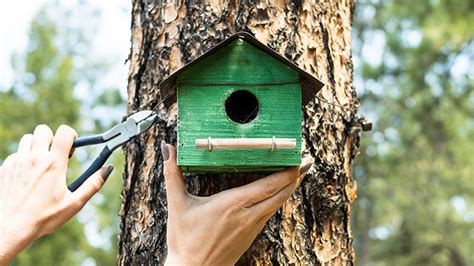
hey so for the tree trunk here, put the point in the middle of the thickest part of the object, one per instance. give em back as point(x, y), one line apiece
point(313, 227)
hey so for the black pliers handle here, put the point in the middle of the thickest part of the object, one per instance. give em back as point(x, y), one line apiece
point(115, 137)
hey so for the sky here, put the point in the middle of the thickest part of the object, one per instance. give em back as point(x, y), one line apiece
point(112, 40)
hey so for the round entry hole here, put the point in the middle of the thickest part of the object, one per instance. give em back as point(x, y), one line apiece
point(242, 106)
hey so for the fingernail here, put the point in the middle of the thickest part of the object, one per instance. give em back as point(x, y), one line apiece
point(106, 171)
point(306, 166)
point(164, 151)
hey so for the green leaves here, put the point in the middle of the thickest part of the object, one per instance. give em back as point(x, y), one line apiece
point(417, 184)
point(44, 92)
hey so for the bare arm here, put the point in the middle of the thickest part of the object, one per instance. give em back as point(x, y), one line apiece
point(217, 230)
point(34, 199)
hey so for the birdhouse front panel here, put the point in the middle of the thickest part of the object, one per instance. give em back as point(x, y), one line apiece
point(239, 109)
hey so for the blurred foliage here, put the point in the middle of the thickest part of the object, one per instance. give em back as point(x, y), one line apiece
point(44, 93)
point(415, 175)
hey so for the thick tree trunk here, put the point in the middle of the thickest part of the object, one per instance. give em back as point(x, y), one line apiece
point(313, 227)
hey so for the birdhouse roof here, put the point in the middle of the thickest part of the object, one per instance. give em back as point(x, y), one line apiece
point(310, 85)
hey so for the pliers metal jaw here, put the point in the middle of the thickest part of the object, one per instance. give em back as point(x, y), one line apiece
point(115, 137)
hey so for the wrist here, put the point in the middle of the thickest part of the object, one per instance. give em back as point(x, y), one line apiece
point(12, 243)
point(7, 252)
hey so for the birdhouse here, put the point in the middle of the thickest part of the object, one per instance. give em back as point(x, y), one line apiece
point(239, 108)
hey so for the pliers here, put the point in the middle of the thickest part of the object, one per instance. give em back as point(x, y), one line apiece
point(116, 136)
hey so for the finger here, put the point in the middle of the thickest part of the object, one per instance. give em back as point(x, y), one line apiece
point(267, 208)
point(42, 138)
point(175, 189)
point(267, 187)
point(62, 142)
point(75, 201)
point(10, 159)
point(90, 187)
point(25, 144)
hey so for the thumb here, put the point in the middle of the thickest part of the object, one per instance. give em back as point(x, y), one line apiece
point(175, 188)
point(92, 185)
point(77, 199)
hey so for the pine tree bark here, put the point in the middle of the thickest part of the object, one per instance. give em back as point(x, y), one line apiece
point(313, 227)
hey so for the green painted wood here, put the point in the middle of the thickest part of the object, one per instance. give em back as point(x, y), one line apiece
point(238, 62)
point(201, 111)
point(230, 169)
point(201, 114)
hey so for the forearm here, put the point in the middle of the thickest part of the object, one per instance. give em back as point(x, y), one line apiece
point(13, 239)
point(5, 259)
point(10, 247)
point(7, 251)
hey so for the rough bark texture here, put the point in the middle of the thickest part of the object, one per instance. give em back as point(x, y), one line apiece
point(313, 227)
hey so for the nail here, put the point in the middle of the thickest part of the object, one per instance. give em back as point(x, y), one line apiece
point(164, 151)
point(106, 170)
point(308, 163)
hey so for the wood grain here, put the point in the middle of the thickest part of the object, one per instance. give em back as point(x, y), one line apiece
point(201, 113)
point(201, 110)
point(239, 62)
point(245, 143)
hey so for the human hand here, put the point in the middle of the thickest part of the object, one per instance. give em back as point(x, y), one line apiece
point(217, 230)
point(34, 199)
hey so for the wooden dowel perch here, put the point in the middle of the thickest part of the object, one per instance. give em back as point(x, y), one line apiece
point(245, 143)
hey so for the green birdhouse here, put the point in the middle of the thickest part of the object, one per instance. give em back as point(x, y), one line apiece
point(240, 108)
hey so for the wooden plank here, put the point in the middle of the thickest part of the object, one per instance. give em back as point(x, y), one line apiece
point(201, 113)
point(212, 144)
point(231, 169)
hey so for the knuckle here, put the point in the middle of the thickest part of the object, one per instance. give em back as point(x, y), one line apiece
point(35, 157)
point(12, 157)
point(47, 161)
point(65, 129)
point(291, 174)
point(27, 136)
point(41, 160)
point(77, 204)
point(166, 172)
point(44, 128)
point(232, 202)
point(58, 197)
point(30, 160)
point(169, 172)
point(270, 188)
point(235, 204)
point(244, 226)
point(285, 195)
point(96, 186)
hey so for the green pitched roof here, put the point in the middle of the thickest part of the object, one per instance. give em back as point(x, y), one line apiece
point(310, 85)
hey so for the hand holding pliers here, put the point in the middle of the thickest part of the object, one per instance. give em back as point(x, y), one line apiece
point(114, 137)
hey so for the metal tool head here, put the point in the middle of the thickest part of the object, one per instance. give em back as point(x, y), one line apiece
point(143, 120)
point(133, 126)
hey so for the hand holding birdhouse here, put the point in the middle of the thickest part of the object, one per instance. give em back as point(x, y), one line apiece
point(216, 230)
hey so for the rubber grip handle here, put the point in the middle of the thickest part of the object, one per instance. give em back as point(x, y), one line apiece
point(85, 141)
point(96, 165)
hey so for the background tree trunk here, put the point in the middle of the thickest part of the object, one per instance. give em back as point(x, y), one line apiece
point(313, 227)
